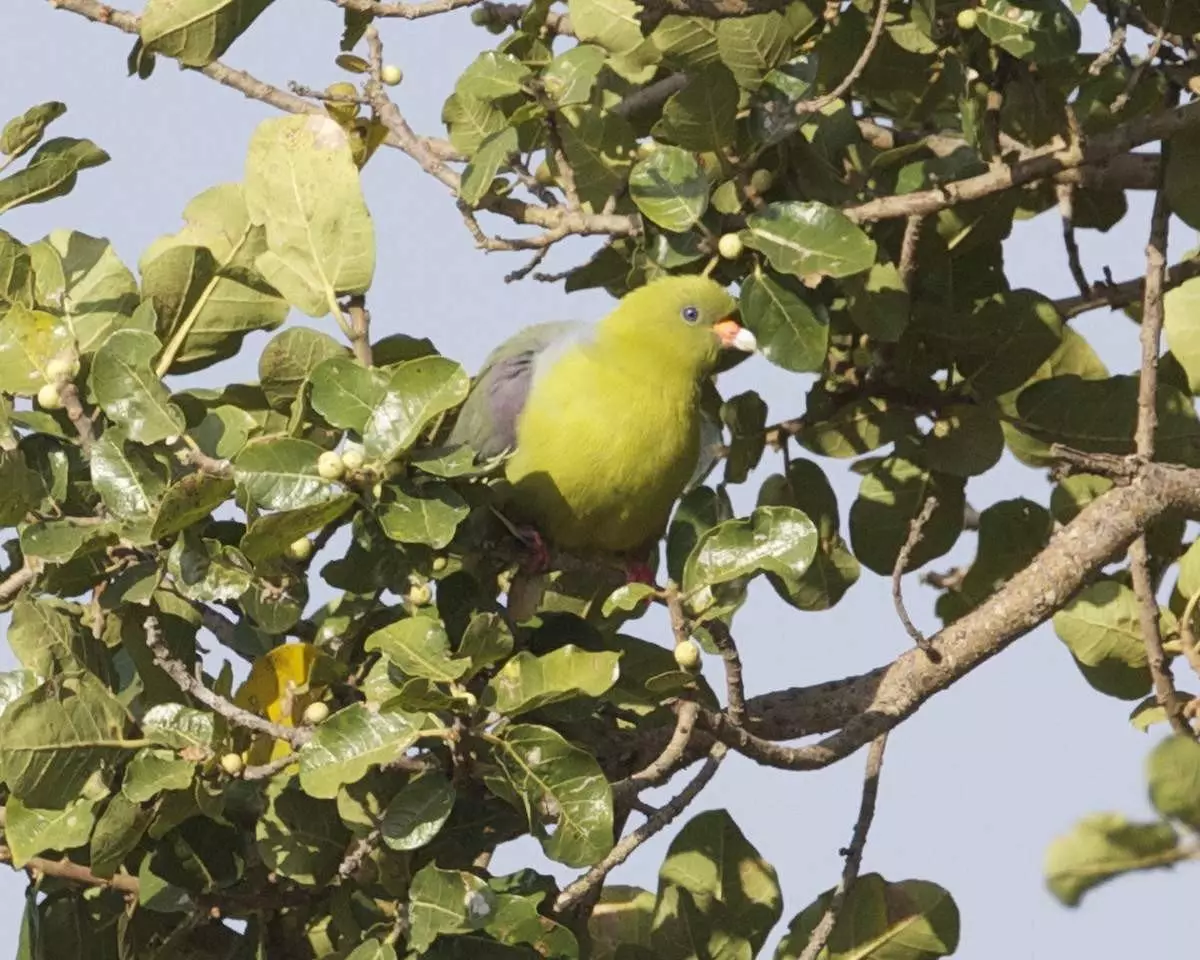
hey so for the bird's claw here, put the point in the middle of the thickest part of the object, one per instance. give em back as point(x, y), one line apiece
point(538, 558)
point(639, 571)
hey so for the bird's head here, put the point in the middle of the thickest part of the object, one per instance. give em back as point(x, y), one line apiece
point(690, 320)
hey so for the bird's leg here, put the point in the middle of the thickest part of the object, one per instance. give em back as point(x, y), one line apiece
point(538, 560)
point(639, 571)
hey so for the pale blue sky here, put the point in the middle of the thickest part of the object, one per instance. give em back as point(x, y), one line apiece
point(974, 786)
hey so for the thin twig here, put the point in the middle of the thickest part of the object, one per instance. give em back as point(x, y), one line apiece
point(908, 250)
point(190, 453)
point(735, 690)
point(16, 581)
point(1136, 77)
point(405, 11)
point(817, 104)
point(1066, 209)
point(75, 873)
point(359, 852)
point(1115, 46)
point(916, 530)
point(1119, 295)
point(296, 736)
point(580, 888)
point(1147, 424)
point(73, 405)
point(661, 768)
point(854, 852)
point(522, 272)
point(360, 329)
point(679, 624)
point(265, 771)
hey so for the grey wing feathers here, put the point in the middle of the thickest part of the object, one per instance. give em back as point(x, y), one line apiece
point(487, 421)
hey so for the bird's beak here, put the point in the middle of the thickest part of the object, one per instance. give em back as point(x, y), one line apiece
point(734, 336)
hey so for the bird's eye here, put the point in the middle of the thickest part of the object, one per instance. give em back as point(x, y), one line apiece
point(690, 314)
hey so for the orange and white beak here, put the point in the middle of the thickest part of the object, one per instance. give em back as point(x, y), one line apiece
point(734, 336)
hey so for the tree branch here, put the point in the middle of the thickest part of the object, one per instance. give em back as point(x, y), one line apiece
point(735, 690)
point(916, 530)
point(1039, 166)
point(75, 873)
point(69, 394)
point(1119, 295)
point(659, 770)
point(17, 581)
point(817, 104)
point(580, 888)
point(860, 708)
point(1147, 424)
point(405, 11)
point(854, 852)
point(296, 736)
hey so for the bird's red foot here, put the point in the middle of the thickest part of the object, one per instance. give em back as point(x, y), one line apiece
point(639, 571)
point(538, 558)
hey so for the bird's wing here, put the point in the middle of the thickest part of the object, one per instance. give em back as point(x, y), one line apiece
point(487, 421)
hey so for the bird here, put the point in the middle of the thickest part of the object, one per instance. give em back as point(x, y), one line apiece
point(601, 422)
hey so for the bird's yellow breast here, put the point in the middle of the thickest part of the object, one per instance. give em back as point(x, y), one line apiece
point(604, 450)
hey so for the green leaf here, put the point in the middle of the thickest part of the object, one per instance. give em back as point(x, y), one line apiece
point(415, 815)
point(118, 831)
point(189, 500)
point(703, 115)
point(493, 76)
point(1101, 628)
point(853, 428)
point(419, 647)
point(51, 172)
point(445, 902)
point(347, 744)
point(1182, 306)
point(96, 293)
point(270, 535)
point(470, 121)
point(1103, 846)
point(29, 340)
point(21, 134)
point(966, 440)
point(670, 188)
point(878, 302)
point(56, 737)
point(1004, 342)
point(528, 682)
point(174, 725)
point(791, 333)
point(281, 474)
point(129, 479)
point(909, 920)
point(372, 950)
point(196, 32)
point(809, 239)
point(427, 514)
point(1173, 774)
point(599, 145)
point(18, 488)
point(417, 391)
point(555, 780)
point(1100, 416)
point(47, 636)
point(890, 497)
point(16, 271)
point(128, 391)
point(58, 541)
point(493, 155)
point(300, 837)
point(151, 771)
point(778, 540)
point(346, 393)
point(615, 26)
point(208, 570)
point(752, 46)
point(571, 75)
point(621, 918)
point(1041, 31)
point(627, 598)
point(486, 640)
point(29, 831)
point(713, 861)
point(302, 184)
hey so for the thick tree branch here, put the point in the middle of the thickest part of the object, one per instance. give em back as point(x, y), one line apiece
point(405, 11)
point(860, 708)
point(854, 852)
point(17, 581)
point(73, 406)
